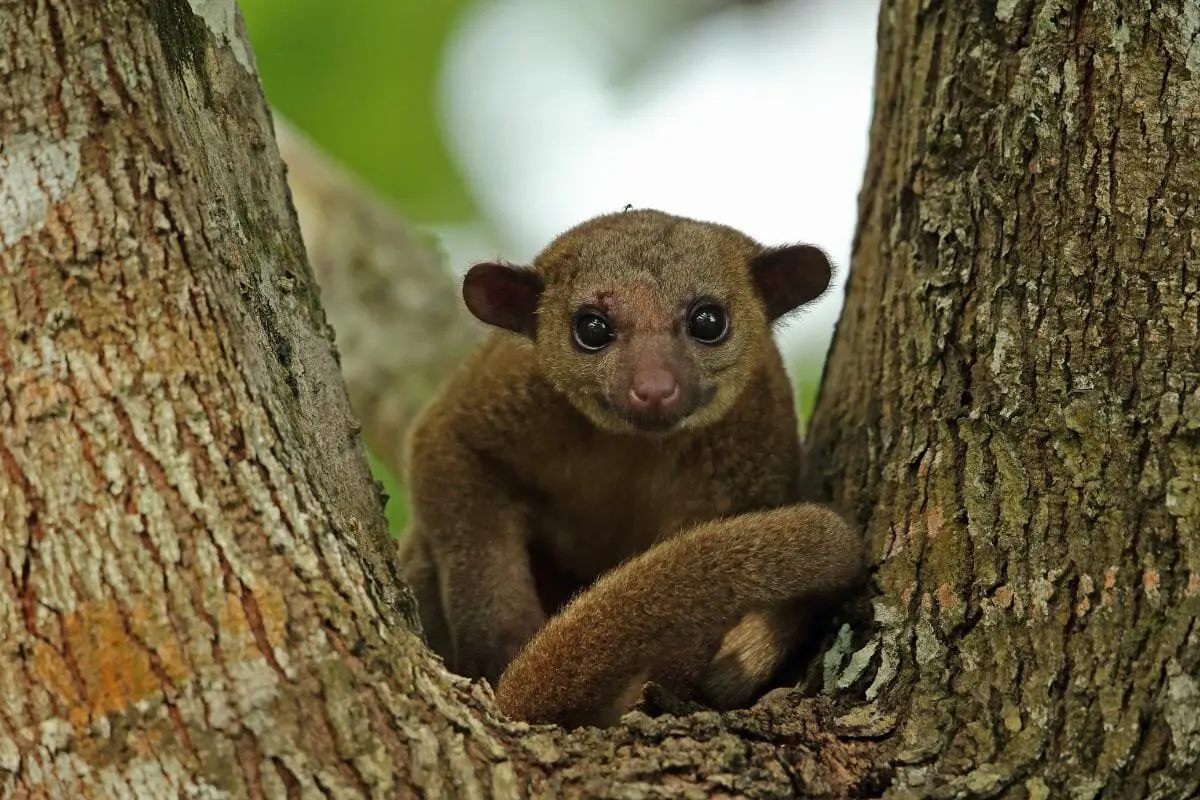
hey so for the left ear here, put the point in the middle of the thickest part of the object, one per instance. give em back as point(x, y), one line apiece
point(504, 296)
point(788, 277)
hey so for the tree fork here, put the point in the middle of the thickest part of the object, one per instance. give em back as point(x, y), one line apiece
point(196, 589)
point(197, 592)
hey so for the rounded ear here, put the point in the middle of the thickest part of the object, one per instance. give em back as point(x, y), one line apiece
point(788, 277)
point(504, 296)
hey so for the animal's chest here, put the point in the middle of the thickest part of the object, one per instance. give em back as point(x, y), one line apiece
point(600, 509)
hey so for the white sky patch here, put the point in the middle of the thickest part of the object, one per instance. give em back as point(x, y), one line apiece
point(34, 175)
point(221, 18)
point(754, 117)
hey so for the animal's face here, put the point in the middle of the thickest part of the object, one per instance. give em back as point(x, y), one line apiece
point(650, 338)
point(649, 323)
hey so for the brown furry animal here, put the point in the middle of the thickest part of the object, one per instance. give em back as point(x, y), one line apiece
point(631, 417)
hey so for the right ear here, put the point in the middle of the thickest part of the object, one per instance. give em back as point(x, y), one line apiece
point(788, 277)
point(504, 296)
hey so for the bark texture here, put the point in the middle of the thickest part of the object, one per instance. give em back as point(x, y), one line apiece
point(1011, 408)
point(400, 321)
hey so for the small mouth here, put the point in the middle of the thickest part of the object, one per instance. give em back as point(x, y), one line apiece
point(653, 424)
point(641, 422)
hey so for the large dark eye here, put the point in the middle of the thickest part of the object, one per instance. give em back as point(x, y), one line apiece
point(708, 323)
point(592, 331)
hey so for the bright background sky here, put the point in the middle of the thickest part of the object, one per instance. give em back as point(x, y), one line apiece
point(755, 116)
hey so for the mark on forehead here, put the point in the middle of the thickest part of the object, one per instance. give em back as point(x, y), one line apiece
point(633, 294)
point(640, 305)
point(641, 295)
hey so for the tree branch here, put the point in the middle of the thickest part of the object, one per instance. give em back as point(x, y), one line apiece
point(395, 307)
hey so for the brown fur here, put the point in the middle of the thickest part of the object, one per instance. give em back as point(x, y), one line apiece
point(584, 667)
point(533, 473)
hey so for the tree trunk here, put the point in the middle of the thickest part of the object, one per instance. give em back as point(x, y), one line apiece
point(195, 584)
point(1011, 408)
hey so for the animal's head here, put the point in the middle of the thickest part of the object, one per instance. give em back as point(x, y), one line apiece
point(647, 322)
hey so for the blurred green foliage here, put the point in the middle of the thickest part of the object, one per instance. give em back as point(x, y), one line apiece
point(361, 80)
point(397, 505)
point(806, 372)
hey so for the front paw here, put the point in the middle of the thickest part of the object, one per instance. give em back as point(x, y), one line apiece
point(657, 699)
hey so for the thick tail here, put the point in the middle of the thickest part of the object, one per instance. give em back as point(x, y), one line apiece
point(672, 603)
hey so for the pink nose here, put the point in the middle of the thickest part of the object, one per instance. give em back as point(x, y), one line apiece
point(654, 389)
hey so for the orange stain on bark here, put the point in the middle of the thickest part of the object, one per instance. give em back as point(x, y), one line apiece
point(107, 658)
point(1150, 581)
point(273, 609)
point(935, 521)
point(945, 596)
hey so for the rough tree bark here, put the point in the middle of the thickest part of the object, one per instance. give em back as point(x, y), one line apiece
point(188, 527)
point(1012, 402)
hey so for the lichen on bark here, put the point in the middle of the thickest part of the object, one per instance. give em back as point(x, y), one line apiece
point(1004, 406)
